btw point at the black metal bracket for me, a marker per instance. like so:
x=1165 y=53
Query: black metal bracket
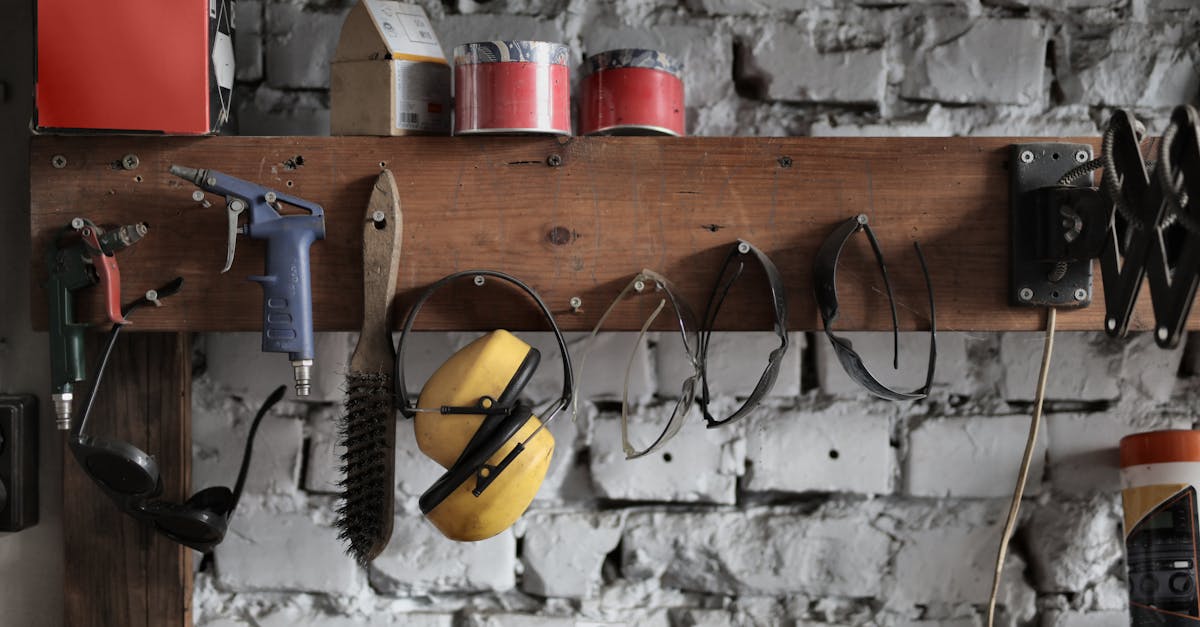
x=1174 y=259
x=1056 y=230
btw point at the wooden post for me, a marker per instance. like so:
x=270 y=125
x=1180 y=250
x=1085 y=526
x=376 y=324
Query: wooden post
x=120 y=571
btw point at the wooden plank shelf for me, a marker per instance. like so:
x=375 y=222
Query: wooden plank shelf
x=581 y=228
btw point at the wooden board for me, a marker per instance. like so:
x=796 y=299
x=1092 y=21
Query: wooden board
x=118 y=570
x=582 y=229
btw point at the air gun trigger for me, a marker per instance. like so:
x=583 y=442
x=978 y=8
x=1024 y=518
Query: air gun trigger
x=110 y=275
x=233 y=208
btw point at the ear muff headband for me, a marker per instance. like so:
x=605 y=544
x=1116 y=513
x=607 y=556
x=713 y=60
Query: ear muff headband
x=131 y=478
x=503 y=417
x=409 y=410
x=825 y=284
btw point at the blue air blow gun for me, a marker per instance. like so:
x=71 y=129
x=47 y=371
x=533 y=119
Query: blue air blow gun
x=287 y=284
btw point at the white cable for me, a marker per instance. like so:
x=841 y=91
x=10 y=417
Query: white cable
x=1026 y=461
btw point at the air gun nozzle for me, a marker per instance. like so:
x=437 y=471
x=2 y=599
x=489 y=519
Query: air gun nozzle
x=190 y=174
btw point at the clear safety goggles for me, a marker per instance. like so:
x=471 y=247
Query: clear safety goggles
x=649 y=284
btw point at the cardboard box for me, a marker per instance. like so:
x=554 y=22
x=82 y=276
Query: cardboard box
x=389 y=75
x=134 y=65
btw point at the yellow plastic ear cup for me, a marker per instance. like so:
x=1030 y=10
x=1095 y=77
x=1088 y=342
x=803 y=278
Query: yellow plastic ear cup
x=482 y=368
x=464 y=517
x=485 y=367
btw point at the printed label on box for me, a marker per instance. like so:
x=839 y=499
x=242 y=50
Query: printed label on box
x=422 y=96
x=406 y=29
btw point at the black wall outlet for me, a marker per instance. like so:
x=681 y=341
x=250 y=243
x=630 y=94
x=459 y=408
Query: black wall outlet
x=18 y=462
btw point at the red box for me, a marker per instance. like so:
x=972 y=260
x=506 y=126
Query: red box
x=161 y=66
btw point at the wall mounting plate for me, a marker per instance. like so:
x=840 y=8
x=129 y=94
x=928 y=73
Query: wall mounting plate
x=1032 y=166
x=18 y=462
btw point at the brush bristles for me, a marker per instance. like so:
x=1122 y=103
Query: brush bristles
x=364 y=516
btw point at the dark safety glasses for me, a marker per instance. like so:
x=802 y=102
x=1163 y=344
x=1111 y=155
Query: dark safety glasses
x=131 y=478
x=731 y=271
x=825 y=284
x=650 y=284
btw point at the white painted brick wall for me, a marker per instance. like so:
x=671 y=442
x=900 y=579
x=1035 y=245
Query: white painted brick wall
x=971 y=457
x=756 y=552
x=280 y=551
x=1087 y=366
x=563 y=553
x=754 y=524
x=419 y=560
x=843 y=448
x=982 y=61
x=699 y=464
x=953 y=374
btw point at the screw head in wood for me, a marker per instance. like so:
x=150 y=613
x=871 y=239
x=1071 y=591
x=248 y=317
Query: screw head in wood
x=576 y=303
x=479 y=280
x=58 y=161
x=554 y=161
x=130 y=162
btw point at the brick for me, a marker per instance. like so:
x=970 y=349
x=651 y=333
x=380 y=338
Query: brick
x=567 y=479
x=971 y=457
x=237 y=363
x=268 y=112
x=219 y=431
x=845 y=449
x=1152 y=371
x=953 y=372
x=752 y=7
x=563 y=553
x=1083 y=366
x=248 y=40
x=699 y=464
x=1082 y=453
x=295 y=617
x=300 y=44
x=601 y=376
x=756 y=552
x=794 y=69
x=746 y=611
x=962 y=554
x=419 y=560
x=323 y=467
x=1073 y=618
x=735 y=362
x=1074 y=545
x=956 y=69
x=1136 y=65
x=287 y=552
x=454 y=30
x=652 y=618
x=415 y=472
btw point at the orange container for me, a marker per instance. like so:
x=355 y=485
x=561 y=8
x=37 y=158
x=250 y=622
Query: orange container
x=1160 y=474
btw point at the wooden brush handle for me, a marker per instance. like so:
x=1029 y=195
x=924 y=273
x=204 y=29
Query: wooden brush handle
x=381 y=265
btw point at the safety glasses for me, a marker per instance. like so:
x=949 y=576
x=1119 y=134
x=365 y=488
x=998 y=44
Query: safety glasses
x=731 y=271
x=649 y=284
x=825 y=284
x=131 y=478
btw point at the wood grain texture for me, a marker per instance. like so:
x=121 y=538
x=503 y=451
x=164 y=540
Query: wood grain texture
x=613 y=206
x=118 y=570
x=381 y=247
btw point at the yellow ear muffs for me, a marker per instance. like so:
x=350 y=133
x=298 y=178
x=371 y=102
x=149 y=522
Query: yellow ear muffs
x=469 y=420
x=493 y=367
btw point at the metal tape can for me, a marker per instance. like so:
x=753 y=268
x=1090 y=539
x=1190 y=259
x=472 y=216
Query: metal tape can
x=512 y=87
x=632 y=92
x=1160 y=474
